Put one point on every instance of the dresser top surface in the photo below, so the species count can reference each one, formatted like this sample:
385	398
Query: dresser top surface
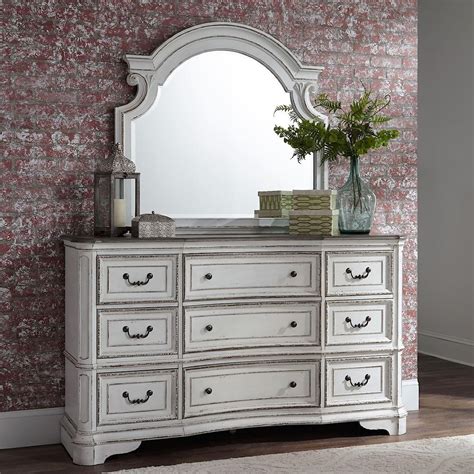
201	237
230	240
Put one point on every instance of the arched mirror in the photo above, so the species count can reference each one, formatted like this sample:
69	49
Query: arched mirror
208	140
201	127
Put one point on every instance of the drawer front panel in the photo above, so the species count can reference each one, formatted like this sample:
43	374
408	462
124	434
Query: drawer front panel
350	382
359	274
359	322
214	328
251	387
136	332
147	396
237	276
137	279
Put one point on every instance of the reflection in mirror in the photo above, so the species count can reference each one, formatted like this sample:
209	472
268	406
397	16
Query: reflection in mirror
206	146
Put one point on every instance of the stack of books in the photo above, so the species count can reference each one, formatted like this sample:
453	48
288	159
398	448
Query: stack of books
314	212
275	203
309	212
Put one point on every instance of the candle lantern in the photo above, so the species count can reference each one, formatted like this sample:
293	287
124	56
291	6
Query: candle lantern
117	195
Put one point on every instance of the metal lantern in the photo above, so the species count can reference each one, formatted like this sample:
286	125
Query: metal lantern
117	195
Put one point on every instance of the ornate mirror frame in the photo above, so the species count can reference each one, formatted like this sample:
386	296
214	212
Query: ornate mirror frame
148	73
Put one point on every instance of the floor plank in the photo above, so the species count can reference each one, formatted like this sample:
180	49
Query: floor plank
446	409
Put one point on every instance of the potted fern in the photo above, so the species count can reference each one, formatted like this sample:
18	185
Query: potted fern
349	134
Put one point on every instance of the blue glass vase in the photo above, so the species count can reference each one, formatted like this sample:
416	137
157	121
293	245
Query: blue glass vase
356	203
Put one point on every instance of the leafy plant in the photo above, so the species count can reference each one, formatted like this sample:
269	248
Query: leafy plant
354	132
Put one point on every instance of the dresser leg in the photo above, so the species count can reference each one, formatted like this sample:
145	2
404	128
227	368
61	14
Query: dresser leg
394	426
85	455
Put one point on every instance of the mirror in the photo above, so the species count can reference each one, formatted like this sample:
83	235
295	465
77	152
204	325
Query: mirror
200	127
206	146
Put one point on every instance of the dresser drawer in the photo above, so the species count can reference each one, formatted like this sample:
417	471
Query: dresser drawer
251	387
136	332
137	396
259	275
137	279
349	382
359	322
359	274
214	328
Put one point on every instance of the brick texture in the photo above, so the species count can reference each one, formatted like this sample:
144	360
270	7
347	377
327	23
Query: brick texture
62	75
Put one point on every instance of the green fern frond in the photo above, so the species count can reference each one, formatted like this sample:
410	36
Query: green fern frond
331	106
354	134
379	119
283	108
294	117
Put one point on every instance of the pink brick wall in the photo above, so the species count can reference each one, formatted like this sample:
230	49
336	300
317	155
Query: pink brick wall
62	75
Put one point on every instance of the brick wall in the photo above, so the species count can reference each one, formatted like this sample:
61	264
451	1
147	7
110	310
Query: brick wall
62	75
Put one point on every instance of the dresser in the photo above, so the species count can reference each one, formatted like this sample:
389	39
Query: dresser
176	337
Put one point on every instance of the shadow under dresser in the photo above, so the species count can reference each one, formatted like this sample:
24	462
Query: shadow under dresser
187	335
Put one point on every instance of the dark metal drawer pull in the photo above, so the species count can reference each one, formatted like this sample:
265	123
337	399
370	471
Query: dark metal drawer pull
292	384
209	327
208	276
137	401
359	325
293	324
359	277
293	274
208	390
126	330
138	283
358	384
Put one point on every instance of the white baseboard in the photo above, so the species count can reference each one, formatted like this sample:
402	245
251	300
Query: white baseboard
411	394
23	428
19	429
454	349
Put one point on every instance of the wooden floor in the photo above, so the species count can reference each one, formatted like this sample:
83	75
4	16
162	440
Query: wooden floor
446	409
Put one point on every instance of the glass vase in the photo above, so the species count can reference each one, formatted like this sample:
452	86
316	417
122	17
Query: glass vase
356	203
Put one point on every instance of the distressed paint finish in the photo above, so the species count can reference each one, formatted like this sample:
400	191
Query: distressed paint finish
62	76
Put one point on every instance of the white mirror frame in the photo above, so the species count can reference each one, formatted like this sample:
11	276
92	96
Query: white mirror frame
148	73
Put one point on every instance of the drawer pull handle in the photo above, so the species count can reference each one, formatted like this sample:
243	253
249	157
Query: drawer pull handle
359	277
293	324
292	384
293	274
208	390
359	325
138	401
358	384
208	276
209	327
138	283
126	330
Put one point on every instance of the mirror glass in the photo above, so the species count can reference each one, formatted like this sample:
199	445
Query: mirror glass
206	146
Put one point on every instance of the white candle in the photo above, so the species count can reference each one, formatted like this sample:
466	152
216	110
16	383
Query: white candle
120	217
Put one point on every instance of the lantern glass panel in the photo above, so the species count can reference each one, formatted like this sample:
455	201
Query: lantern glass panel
130	196
124	201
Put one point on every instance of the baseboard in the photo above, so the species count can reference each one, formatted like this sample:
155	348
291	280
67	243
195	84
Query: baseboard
454	349
411	394
30	427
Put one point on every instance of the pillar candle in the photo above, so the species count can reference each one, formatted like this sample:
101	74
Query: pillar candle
120	218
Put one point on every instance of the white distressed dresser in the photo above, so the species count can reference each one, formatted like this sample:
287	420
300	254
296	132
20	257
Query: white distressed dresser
175	337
